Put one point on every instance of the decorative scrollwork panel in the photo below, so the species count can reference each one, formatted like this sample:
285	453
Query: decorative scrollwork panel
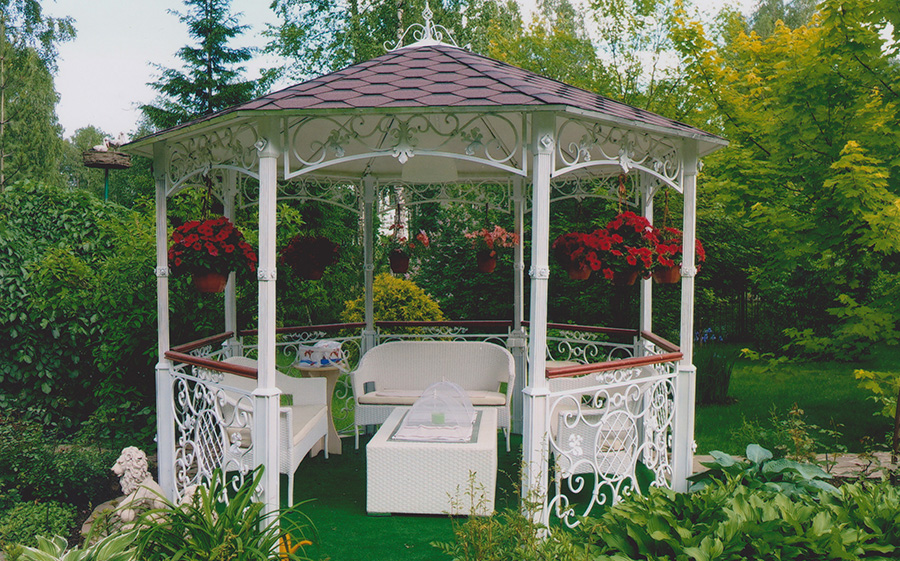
231	147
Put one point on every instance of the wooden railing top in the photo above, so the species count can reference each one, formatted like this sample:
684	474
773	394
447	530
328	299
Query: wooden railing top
211	340
244	371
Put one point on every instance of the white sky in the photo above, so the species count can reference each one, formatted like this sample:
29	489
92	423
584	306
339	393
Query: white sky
103	73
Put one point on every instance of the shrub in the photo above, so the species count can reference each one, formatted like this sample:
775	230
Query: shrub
714	367
25	521
395	299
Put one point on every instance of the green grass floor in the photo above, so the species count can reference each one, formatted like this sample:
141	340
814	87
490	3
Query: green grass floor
334	491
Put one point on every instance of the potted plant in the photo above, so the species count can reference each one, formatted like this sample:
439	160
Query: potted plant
209	250
579	253
486	241
401	248
668	255
630	249
308	256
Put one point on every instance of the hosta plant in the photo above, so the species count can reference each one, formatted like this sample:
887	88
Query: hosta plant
117	547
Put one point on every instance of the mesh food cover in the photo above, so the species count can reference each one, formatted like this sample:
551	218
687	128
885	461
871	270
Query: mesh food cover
444	412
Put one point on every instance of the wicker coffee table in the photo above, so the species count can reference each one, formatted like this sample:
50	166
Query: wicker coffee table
432	477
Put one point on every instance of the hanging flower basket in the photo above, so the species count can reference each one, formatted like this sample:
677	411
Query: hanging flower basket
667	275
486	261
309	256
399	261
210	246
628	248
668	255
486	242
579	253
209	282
401	248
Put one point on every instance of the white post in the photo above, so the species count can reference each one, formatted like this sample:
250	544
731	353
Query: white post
534	439
165	396
646	321
266	395
228	201
685	382
517	340
369	260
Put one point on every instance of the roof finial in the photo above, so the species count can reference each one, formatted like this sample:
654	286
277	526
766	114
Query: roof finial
428	34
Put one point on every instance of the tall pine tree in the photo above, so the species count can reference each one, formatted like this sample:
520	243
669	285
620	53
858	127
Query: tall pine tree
211	78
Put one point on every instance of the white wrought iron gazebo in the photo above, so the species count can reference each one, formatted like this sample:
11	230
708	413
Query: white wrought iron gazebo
474	130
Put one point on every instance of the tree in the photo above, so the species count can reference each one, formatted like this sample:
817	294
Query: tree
812	115
210	80
29	133
319	36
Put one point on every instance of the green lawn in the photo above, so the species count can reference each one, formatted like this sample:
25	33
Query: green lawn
825	391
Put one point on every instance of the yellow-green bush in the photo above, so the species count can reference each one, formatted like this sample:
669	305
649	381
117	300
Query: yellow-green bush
395	299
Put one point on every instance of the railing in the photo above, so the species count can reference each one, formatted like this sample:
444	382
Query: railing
606	419
611	402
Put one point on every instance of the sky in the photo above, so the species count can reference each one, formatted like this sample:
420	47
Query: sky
103	73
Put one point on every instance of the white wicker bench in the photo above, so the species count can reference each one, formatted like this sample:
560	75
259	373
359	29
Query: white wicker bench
300	425
395	374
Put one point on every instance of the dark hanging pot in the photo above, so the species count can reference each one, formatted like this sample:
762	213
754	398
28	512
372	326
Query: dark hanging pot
668	275
487	261
209	281
579	272
626	278
399	261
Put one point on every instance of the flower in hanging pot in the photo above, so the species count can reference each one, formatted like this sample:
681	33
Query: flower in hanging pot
308	256
209	250
401	248
487	241
579	253
668	255
631	241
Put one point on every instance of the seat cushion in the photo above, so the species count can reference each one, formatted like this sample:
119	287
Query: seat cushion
303	418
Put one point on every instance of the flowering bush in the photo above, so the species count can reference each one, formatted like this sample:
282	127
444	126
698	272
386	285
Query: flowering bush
489	239
213	245
403	244
669	251
632	240
308	256
578	251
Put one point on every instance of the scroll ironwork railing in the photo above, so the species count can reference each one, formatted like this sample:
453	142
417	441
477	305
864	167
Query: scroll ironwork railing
611	402
607	422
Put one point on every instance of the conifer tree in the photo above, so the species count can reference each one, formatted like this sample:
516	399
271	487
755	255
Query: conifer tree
211	76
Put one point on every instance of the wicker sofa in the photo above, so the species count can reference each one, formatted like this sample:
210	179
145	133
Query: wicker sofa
300	425
395	374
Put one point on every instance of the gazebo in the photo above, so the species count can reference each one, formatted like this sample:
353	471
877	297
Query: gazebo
473	130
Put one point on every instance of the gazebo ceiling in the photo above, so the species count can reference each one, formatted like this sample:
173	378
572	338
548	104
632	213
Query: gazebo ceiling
432	100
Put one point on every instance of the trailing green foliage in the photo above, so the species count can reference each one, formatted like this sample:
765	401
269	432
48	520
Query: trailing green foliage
117	547
884	385
24	522
761	470
208	529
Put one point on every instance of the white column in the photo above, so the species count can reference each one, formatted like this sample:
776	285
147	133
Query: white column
517	340
646	321
228	201
534	438
165	397
685	382
266	395
369	260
